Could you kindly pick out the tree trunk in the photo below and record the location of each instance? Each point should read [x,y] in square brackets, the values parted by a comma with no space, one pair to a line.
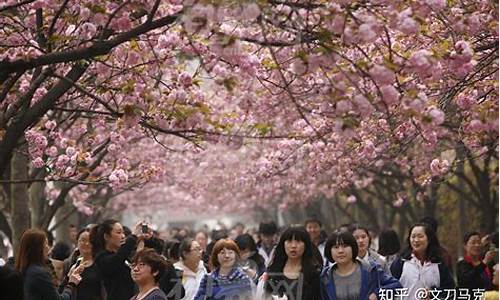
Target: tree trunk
[462,203]
[19,195]
[37,200]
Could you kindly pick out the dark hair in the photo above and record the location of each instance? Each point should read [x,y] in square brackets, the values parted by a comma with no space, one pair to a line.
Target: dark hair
[127,231]
[151,258]
[359,227]
[155,243]
[268,228]
[11,283]
[341,238]
[171,251]
[431,222]
[97,235]
[218,247]
[60,251]
[50,237]
[218,235]
[313,220]
[433,251]
[31,248]
[493,237]
[309,261]
[468,235]
[185,247]
[86,229]
[345,226]
[388,242]
[246,242]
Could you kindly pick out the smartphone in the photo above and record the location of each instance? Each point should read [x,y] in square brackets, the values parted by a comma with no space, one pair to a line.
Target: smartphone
[144,228]
[78,261]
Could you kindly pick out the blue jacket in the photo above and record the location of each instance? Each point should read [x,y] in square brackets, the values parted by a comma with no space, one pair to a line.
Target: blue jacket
[214,287]
[373,278]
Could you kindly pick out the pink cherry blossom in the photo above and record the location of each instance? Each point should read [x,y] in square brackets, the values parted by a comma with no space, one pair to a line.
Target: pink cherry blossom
[38,163]
[437,115]
[390,94]
[351,199]
[382,75]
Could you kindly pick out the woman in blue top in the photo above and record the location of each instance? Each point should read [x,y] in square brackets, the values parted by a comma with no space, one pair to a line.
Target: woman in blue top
[227,281]
[349,278]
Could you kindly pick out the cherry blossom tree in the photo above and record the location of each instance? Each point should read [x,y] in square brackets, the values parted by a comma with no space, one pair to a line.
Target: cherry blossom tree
[305,95]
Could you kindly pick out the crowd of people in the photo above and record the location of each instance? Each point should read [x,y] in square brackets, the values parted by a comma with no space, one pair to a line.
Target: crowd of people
[108,261]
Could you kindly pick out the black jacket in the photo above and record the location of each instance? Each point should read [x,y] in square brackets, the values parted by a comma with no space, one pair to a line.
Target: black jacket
[171,283]
[471,277]
[115,272]
[38,285]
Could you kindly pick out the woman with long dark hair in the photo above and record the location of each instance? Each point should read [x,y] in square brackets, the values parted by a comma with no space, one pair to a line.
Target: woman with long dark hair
[31,264]
[420,265]
[294,269]
[111,249]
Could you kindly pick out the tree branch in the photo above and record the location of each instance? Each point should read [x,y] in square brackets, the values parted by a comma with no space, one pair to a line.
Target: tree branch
[98,48]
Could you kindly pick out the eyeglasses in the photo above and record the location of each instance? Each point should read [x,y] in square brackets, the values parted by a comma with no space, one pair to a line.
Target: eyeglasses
[139,265]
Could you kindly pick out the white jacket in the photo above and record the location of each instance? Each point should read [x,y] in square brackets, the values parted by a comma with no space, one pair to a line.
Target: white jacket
[191,280]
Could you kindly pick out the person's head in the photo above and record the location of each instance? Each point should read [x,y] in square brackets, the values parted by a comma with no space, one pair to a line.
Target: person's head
[108,235]
[295,242]
[362,236]
[239,228]
[431,222]
[190,251]
[341,247]
[60,251]
[472,244]
[345,227]
[171,250]
[267,232]
[147,267]
[202,239]
[83,242]
[183,233]
[72,233]
[313,228]
[246,244]
[423,242]
[33,249]
[155,243]
[388,242]
[225,253]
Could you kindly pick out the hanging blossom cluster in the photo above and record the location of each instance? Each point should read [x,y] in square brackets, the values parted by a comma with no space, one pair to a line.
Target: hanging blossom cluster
[279,102]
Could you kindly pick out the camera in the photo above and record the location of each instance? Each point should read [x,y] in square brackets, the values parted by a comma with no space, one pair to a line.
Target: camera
[144,228]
